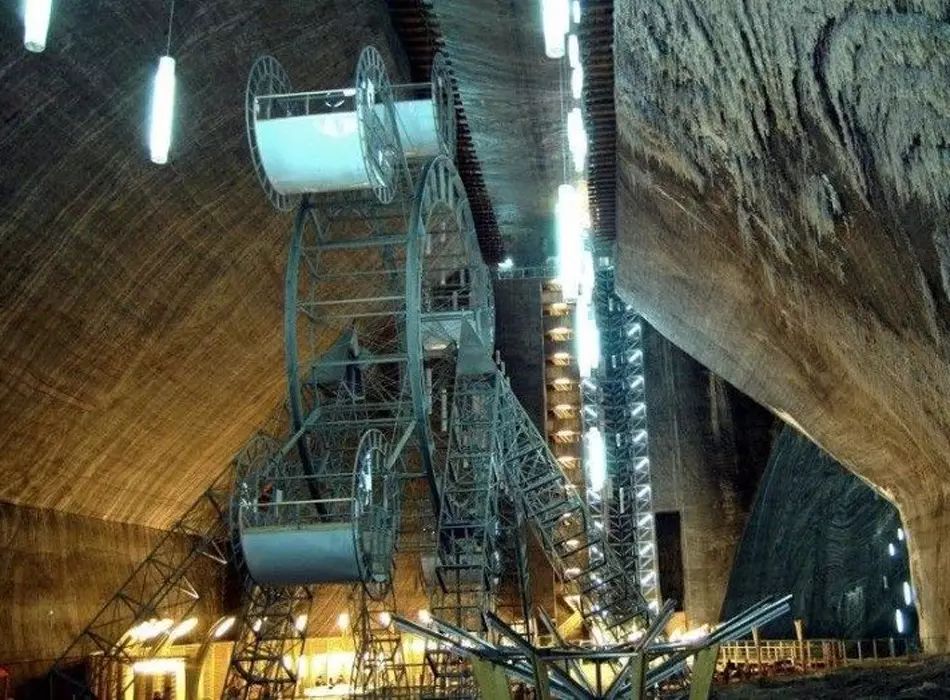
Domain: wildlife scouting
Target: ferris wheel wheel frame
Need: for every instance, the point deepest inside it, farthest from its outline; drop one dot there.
(440, 186)
(443, 103)
(267, 77)
(374, 446)
(254, 458)
(379, 138)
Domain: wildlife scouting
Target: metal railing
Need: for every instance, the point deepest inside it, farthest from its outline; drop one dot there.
(789, 655)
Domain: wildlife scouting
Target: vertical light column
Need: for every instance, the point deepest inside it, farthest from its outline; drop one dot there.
(36, 24)
(163, 110)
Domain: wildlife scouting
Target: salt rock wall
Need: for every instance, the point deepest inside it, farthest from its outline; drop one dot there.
(782, 199)
(513, 103)
(519, 337)
(708, 447)
(820, 533)
(58, 572)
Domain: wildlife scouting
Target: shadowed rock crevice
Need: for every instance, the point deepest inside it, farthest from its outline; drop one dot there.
(818, 532)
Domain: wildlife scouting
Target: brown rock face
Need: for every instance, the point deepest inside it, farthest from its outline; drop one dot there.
(783, 189)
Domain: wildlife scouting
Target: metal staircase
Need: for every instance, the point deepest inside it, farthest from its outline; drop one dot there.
(573, 540)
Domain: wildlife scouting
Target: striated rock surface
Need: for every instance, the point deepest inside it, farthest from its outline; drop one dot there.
(513, 103)
(820, 533)
(783, 190)
(58, 572)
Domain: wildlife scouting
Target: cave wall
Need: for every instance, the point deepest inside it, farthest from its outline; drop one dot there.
(519, 337)
(512, 98)
(782, 192)
(59, 570)
(708, 447)
(820, 533)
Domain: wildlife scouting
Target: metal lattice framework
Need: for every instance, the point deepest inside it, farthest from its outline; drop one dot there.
(159, 588)
(388, 339)
(564, 525)
(387, 263)
(264, 657)
(467, 566)
(621, 395)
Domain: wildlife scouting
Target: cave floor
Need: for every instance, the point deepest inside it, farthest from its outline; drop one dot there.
(926, 677)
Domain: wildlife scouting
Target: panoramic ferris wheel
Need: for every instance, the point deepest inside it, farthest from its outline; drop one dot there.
(384, 279)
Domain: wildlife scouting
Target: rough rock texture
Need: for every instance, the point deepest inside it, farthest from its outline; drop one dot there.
(708, 447)
(910, 679)
(514, 108)
(820, 533)
(59, 570)
(783, 192)
(519, 335)
(140, 306)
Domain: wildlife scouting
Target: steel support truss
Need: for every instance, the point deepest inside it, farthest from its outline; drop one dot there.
(468, 559)
(621, 387)
(563, 523)
(273, 628)
(161, 587)
(555, 671)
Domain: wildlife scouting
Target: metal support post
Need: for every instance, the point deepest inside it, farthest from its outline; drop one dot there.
(491, 680)
(704, 667)
(636, 671)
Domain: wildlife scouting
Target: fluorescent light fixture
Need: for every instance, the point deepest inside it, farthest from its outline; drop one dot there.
(570, 242)
(573, 51)
(163, 110)
(343, 621)
(506, 264)
(595, 459)
(576, 9)
(577, 138)
(36, 24)
(587, 338)
(908, 594)
(899, 621)
(301, 623)
(223, 627)
(900, 533)
(555, 20)
(183, 628)
(577, 82)
(891, 549)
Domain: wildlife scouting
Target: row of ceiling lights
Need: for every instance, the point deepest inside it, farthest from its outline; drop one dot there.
(561, 20)
(36, 21)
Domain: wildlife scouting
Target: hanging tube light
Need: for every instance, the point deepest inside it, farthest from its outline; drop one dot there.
(36, 24)
(556, 21)
(163, 110)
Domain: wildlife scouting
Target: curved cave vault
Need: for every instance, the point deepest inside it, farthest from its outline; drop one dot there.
(782, 195)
